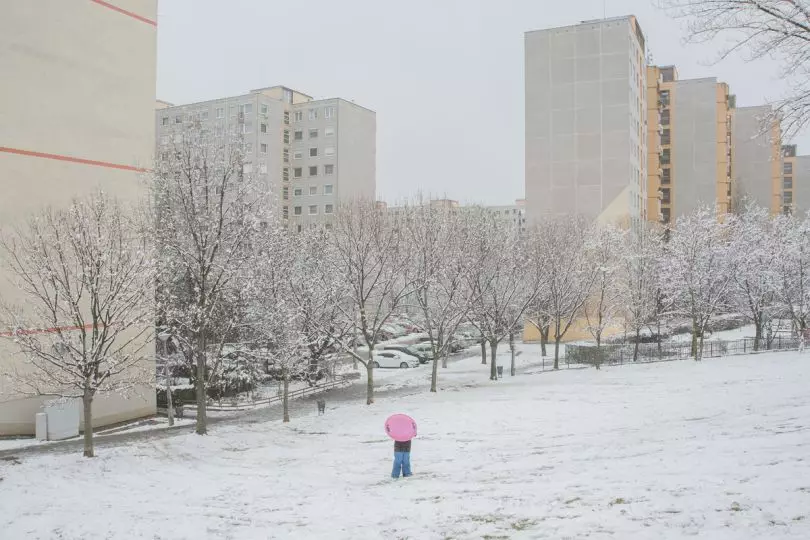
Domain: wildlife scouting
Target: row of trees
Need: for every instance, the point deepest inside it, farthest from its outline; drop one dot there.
(207, 261)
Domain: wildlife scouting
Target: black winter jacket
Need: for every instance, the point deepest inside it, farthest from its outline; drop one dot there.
(402, 446)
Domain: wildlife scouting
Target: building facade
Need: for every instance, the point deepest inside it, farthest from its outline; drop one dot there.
(312, 154)
(757, 158)
(690, 147)
(514, 214)
(586, 108)
(76, 105)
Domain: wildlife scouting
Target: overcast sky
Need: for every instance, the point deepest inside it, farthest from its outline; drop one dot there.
(444, 76)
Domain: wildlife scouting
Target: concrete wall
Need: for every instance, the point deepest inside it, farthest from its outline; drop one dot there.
(801, 185)
(76, 114)
(755, 163)
(585, 109)
(357, 152)
(694, 145)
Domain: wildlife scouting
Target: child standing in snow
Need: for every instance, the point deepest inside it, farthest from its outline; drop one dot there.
(402, 459)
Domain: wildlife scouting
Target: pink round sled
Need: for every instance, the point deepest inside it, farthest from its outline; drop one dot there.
(400, 427)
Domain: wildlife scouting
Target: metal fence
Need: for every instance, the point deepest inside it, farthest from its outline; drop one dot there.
(621, 353)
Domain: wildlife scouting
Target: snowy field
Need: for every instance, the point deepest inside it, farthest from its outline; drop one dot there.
(714, 450)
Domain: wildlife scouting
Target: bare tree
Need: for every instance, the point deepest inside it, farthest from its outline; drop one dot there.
(569, 278)
(698, 271)
(603, 253)
(791, 266)
(639, 284)
(756, 29)
(371, 253)
(208, 208)
(439, 268)
(86, 274)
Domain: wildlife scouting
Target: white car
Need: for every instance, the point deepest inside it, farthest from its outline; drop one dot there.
(394, 359)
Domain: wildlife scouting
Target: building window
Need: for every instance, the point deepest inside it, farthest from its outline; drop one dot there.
(299, 228)
(787, 197)
(313, 170)
(663, 98)
(327, 189)
(263, 148)
(666, 176)
(665, 215)
(249, 148)
(665, 196)
(328, 112)
(666, 136)
(313, 152)
(787, 182)
(262, 167)
(313, 209)
(285, 212)
(286, 136)
(247, 108)
(286, 118)
(328, 170)
(665, 117)
(298, 116)
(178, 119)
(297, 211)
(220, 112)
(247, 127)
(313, 190)
(204, 115)
(285, 174)
(285, 193)
(286, 155)
(313, 133)
(329, 151)
(665, 157)
(298, 192)
(328, 209)
(298, 172)
(329, 132)
(298, 154)
(313, 114)
(298, 135)
(263, 127)
(787, 167)
(264, 110)
(165, 121)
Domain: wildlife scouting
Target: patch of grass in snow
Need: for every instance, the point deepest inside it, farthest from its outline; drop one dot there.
(486, 518)
(618, 500)
(523, 524)
(735, 507)
(572, 501)
(14, 460)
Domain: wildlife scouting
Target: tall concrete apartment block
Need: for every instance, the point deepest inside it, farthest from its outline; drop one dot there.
(586, 108)
(76, 106)
(313, 154)
(757, 157)
(795, 195)
(689, 140)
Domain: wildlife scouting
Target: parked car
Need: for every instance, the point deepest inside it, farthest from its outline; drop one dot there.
(394, 359)
(408, 350)
(423, 349)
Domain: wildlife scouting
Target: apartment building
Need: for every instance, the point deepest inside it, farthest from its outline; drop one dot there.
(757, 157)
(76, 101)
(312, 154)
(689, 142)
(795, 195)
(514, 214)
(586, 108)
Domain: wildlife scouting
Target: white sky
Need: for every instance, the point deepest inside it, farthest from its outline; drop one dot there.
(444, 76)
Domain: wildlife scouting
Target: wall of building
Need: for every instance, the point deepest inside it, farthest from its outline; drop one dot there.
(76, 106)
(357, 152)
(801, 185)
(585, 109)
(756, 166)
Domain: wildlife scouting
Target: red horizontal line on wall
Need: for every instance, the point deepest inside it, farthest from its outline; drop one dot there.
(54, 330)
(125, 12)
(71, 159)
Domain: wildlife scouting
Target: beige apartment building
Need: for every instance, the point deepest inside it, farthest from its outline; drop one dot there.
(586, 108)
(757, 157)
(312, 154)
(76, 106)
(690, 144)
(795, 194)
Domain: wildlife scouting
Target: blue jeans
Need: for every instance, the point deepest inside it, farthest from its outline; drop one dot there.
(402, 462)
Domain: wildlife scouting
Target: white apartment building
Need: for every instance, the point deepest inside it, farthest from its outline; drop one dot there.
(313, 154)
(515, 214)
(586, 143)
(76, 104)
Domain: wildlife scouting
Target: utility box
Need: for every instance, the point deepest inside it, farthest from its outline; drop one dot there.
(41, 426)
(63, 418)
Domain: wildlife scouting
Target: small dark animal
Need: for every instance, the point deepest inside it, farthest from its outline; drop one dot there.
(321, 407)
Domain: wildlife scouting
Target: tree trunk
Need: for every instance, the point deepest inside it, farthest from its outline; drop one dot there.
(285, 400)
(370, 377)
(483, 352)
(493, 364)
(87, 401)
(757, 335)
(544, 339)
(169, 404)
(202, 420)
(512, 352)
(445, 353)
(434, 375)
(556, 352)
(635, 347)
(694, 340)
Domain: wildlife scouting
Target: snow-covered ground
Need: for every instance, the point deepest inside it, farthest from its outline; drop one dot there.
(715, 450)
